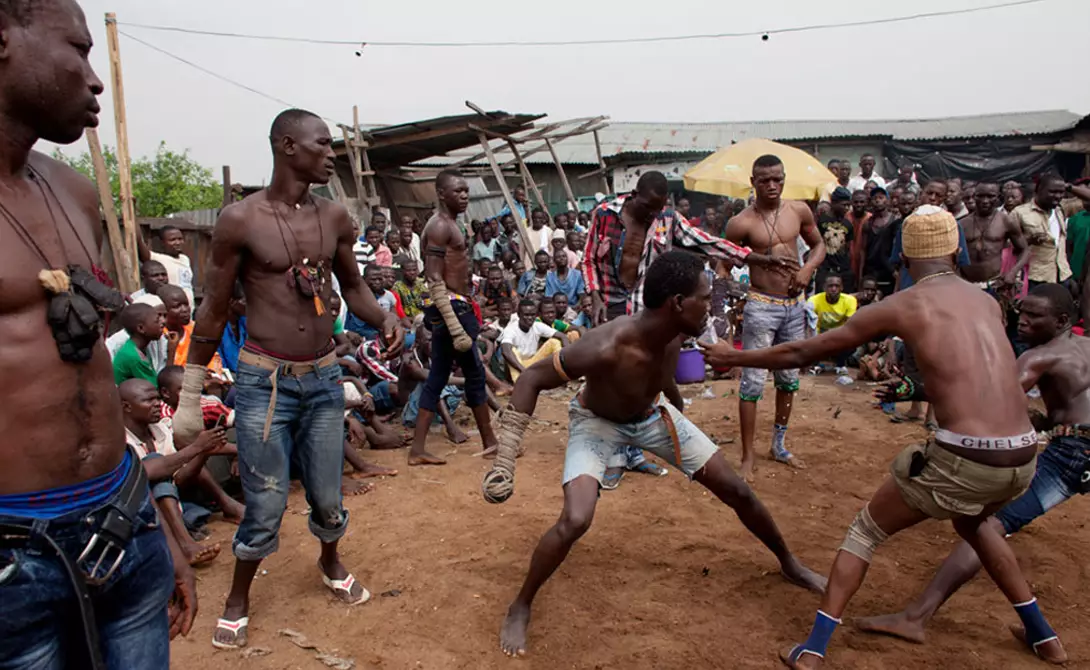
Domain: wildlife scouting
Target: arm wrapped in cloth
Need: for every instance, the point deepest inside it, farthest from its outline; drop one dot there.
(438, 292)
(499, 483)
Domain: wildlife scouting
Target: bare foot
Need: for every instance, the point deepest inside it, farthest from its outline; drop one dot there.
(746, 470)
(803, 661)
(790, 460)
(373, 470)
(457, 435)
(391, 440)
(425, 459)
(233, 511)
(351, 487)
(897, 625)
(198, 554)
(800, 575)
(1050, 652)
(226, 638)
(513, 633)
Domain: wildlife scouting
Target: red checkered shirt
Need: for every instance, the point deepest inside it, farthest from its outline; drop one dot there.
(605, 240)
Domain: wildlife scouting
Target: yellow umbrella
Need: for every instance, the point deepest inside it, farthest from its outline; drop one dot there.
(727, 171)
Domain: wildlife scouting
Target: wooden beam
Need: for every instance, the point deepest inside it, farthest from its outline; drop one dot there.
(372, 198)
(563, 177)
(124, 167)
(601, 162)
(557, 138)
(227, 199)
(122, 262)
(520, 225)
(528, 178)
(536, 134)
(592, 173)
(357, 179)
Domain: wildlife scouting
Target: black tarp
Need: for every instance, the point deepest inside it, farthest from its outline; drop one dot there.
(979, 159)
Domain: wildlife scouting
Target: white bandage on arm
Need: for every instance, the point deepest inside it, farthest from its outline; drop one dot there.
(188, 421)
(438, 291)
(864, 536)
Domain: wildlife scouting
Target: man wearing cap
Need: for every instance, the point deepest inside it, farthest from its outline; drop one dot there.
(983, 454)
(560, 241)
(877, 243)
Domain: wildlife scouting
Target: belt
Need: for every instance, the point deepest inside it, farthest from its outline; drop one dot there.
(103, 553)
(1074, 430)
(782, 301)
(427, 301)
(279, 367)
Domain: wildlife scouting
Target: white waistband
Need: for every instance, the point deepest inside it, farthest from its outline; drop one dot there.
(990, 443)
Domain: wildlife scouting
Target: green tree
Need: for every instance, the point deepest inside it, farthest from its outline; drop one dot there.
(169, 182)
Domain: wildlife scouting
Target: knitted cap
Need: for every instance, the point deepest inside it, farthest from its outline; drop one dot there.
(930, 232)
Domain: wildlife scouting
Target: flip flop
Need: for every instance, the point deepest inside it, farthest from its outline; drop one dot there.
(237, 628)
(649, 468)
(345, 585)
(611, 481)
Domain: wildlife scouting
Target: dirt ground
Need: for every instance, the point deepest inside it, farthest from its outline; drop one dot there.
(666, 578)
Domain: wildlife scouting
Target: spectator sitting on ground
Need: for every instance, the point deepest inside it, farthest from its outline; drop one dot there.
(533, 281)
(399, 257)
(375, 236)
(584, 319)
(144, 325)
(411, 289)
(560, 243)
(868, 292)
(833, 309)
(179, 328)
(153, 274)
(489, 247)
(495, 289)
(575, 246)
(564, 279)
(449, 398)
(375, 278)
(564, 310)
(158, 350)
(521, 340)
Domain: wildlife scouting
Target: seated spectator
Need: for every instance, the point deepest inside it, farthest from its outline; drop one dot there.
(564, 279)
(152, 440)
(575, 246)
(833, 309)
(144, 325)
(521, 341)
(479, 277)
(560, 221)
(449, 398)
(234, 333)
(585, 318)
(399, 257)
(488, 246)
(533, 281)
(375, 278)
(495, 289)
(513, 271)
(546, 312)
(560, 242)
(564, 310)
(375, 236)
(157, 351)
(179, 330)
(153, 274)
(411, 289)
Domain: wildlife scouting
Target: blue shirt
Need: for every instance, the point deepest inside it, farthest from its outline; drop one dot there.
(895, 257)
(230, 345)
(572, 286)
(582, 321)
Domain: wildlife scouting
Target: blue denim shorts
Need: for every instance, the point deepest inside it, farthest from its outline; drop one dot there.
(1060, 469)
(768, 321)
(595, 443)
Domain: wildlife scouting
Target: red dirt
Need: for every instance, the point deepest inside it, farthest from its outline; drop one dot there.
(634, 592)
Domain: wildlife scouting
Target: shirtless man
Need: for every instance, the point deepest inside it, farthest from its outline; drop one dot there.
(987, 231)
(775, 309)
(1059, 365)
(65, 463)
(282, 242)
(623, 362)
(450, 313)
(981, 457)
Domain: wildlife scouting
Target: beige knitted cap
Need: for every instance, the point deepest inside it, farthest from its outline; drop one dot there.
(929, 232)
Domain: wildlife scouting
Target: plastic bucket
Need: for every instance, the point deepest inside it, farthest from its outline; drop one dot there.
(690, 367)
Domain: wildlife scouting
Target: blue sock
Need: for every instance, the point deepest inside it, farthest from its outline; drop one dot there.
(889, 407)
(824, 627)
(1037, 629)
(779, 434)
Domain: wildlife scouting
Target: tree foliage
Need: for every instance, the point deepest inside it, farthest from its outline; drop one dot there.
(166, 183)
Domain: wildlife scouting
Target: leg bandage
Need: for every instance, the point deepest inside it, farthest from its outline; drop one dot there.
(499, 483)
(864, 536)
(438, 291)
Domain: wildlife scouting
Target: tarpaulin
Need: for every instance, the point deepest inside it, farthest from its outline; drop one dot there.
(979, 159)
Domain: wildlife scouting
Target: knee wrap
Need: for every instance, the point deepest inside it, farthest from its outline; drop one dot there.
(864, 536)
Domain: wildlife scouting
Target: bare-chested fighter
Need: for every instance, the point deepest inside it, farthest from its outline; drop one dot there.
(776, 304)
(283, 243)
(981, 457)
(987, 231)
(449, 311)
(71, 494)
(1059, 365)
(623, 404)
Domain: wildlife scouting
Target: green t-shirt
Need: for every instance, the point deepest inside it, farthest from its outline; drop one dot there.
(1078, 231)
(129, 363)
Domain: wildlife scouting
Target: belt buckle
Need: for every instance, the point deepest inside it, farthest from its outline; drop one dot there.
(92, 575)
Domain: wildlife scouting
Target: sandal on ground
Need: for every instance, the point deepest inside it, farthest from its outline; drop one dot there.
(237, 628)
(931, 426)
(339, 586)
(611, 480)
(649, 468)
(792, 657)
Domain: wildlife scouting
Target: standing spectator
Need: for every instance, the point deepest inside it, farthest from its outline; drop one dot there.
(955, 203)
(858, 216)
(363, 248)
(877, 243)
(843, 177)
(838, 234)
(1012, 196)
(522, 205)
(683, 206)
(1078, 236)
(906, 179)
(489, 247)
(564, 279)
(179, 270)
(866, 174)
(1046, 232)
(540, 233)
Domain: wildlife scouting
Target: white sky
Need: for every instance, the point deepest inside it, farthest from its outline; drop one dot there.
(1003, 60)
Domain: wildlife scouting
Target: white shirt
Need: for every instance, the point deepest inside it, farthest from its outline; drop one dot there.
(162, 437)
(387, 301)
(414, 250)
(542, 239)
(179, 272)
(526, 343)
(857, 183)
(157, 350)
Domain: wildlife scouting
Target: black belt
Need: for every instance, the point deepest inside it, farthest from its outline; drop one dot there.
(103, 553)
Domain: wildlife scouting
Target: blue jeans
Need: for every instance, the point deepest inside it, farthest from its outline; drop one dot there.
(1060, 468)
(444, 356)
(40, 627)
(307, 431)
(770, 320)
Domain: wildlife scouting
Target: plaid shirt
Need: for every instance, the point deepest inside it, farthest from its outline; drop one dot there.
(605, 242)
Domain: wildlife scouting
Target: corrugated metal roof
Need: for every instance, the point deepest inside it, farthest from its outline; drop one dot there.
(703, 138)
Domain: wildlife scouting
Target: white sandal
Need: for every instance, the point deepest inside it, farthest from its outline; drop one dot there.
(237, 627)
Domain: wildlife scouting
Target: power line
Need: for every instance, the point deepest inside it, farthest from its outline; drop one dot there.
(626, 40)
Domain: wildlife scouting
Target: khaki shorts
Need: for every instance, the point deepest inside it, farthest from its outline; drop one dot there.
(949, 486)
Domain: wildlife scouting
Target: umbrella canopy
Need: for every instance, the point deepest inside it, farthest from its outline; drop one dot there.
(727, 171)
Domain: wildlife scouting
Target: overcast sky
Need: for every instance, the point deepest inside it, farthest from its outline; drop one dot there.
(924, 68)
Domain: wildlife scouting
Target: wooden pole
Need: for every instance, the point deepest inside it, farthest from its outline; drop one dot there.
(357, 178)
(227, 199)
(527, 177)
(122, 263)
(601, 163)
(527, 247)
(364, 162)
(124, 168)
(563, 177)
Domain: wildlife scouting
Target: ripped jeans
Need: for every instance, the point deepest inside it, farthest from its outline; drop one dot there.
(307, 435)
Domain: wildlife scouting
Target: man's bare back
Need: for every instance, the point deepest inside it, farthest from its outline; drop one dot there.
(61, 422)
(775, 234)
(443, 231)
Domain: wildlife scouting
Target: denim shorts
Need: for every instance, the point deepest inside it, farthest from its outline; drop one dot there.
(1060, 469)
(40, 626)
(768, 321)
(595, 443)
